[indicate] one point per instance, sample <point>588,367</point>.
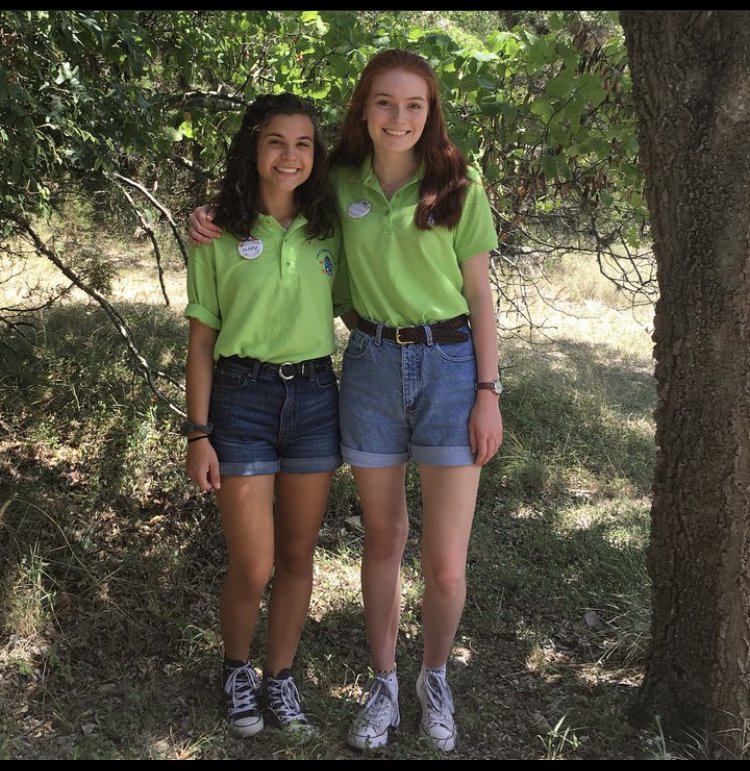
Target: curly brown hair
<point>443,189</point>
<point>236,205</point>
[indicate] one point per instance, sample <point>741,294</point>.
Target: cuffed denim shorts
<point>264,424</point>
<point>406,401</point>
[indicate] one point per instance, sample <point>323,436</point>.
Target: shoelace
<point>381,697</point>
<point>286,694</point>
<point>242,693</point>
<point>437,696</point>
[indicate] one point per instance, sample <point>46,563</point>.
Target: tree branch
<point>119,322</point>
<point>163,209</point>
<point>196,168</point>
<point>214,100</point>
<point>152,235</point>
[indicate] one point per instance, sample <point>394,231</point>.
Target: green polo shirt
<point>398,274</point>
<point>270,296</point>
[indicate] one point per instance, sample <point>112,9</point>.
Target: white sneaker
<point>241,687</point>
<point>437,725</point>
<point>379,714</point>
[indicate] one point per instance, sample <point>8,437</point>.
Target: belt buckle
<point>399,340</point>
<point>281,371</point>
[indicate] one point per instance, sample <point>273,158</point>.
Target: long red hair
<point>443,189</point>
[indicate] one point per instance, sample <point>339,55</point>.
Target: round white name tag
<point>250,248</point>
<point>359,209</point>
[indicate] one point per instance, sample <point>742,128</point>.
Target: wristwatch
<point>496,386</point>
<point>188,427</point>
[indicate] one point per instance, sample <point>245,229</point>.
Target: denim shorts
<point>264,424</point>
<point>406,401</point>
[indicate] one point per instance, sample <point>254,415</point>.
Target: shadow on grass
<point>578,417</point>
<point>111,566</point>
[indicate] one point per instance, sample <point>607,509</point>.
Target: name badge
<point>359,209</point>
<point>250,248</point>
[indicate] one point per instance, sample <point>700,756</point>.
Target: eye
<point>416,106</point>
<point>383,103</point>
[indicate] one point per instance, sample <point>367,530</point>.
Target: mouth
<point>287,170</point>
<point>394,133</point>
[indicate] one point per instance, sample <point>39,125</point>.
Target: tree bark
<point>691,88</point>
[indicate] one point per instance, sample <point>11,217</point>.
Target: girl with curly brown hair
<point>261,393</point>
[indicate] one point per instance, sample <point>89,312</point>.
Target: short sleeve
<point>203,297</point>
<point>475,231</point>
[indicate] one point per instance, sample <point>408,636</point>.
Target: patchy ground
<point>111,565</point>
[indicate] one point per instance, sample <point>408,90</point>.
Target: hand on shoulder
<point>201,228</point>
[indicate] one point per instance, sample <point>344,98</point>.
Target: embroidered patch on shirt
<point>325,260</point>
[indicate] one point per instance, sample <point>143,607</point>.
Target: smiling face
<point>285,153</point>
<point>396,110</point>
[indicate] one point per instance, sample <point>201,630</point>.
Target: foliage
<point>131,111</point>
<point>86,93</point>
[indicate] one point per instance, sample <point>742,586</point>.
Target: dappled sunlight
<point>115,564</point>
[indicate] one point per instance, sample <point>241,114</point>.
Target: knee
<point>447,581</point>
<point>384,543</point>
<point>249,580</point>
<point>295,562</point>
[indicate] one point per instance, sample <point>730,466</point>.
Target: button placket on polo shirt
<point>288,257</point>
<point>388,228</point>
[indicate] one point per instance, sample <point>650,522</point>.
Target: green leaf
<point>561,86</point>
<point>542,107</point>
<point>590,88</point>
<point>490,106</point>
<point>549,166</point>
<point>484,56</point>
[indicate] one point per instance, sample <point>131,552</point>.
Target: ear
<point>364,113</point>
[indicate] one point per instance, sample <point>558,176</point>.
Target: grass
<point>111,563</point>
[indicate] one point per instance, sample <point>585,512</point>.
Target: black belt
<point>286,371</point>
<point>441,331</point>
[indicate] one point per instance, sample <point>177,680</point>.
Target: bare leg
<point>245,504</point>
<point>300,505</point>
<point>449,495</point>
<point>383,497</point>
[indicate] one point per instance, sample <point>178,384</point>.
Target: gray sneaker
<point>282,702</point>
<point>437,725</point>
<point>378,715</point>
<point>241,687</point>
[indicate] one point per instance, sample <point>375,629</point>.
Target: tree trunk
<point>691,88</point>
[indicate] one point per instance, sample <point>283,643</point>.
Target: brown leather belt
<point>441,331</point>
